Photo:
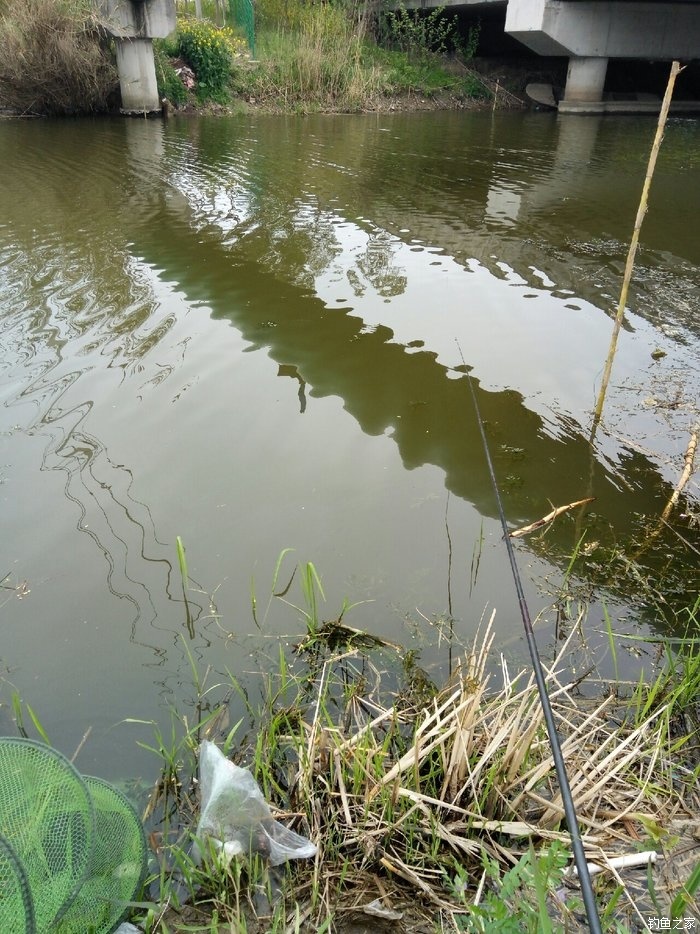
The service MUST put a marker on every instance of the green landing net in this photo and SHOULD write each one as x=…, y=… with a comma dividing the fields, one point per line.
x=72, y=848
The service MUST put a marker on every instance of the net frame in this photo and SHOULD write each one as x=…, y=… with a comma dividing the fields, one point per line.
x=73, y=852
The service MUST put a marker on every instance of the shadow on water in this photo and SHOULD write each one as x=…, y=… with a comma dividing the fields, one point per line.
x=263, y=234
x=405, y=391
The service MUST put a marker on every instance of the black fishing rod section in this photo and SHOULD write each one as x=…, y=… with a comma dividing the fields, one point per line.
x=559, y=766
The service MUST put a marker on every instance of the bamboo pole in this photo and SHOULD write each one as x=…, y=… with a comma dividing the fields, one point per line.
x=676, y=68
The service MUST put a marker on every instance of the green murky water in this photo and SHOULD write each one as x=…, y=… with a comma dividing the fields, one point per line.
x=249, y=332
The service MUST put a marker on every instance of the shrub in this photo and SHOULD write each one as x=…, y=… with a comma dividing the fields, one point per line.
x=169, y=82
x=209, y=51
x=418, y=33
x=54, y=58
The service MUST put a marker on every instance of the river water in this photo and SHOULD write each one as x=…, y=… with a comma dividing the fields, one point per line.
x=252, y=332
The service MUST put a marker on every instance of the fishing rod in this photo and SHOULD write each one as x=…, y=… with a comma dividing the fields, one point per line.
x=559, y=766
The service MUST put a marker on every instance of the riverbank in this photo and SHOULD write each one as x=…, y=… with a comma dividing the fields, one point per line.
x=316, y=59
x=403, y=102
x=437, y=807
x=330, y=64
x=489, y=84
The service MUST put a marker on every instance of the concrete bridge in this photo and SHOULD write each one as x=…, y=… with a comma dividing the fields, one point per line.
x=590, y=33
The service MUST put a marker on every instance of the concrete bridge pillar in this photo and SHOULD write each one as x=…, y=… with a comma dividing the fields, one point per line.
x=585, y=79
x=137, y=75
x=134, y=25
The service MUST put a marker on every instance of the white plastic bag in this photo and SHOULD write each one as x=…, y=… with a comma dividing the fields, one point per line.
x=236, y=817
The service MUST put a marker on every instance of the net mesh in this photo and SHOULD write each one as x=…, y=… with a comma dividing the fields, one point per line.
x=116, y=866
x=72, y=849
x=47, y=817
x=16, y=907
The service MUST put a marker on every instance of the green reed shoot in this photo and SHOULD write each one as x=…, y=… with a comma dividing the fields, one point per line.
x=476, y=559
x=184, y=574
x=182, y=561
x=687, y=893
x=540, y=881
x=19, y=719
x=274, y=592
x=311, y=589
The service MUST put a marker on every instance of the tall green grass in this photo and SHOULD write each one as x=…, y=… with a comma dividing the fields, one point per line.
x=317, y=59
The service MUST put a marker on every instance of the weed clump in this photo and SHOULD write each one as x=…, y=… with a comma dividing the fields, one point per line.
x=54, y=58
x=441, y=804
x=317, y=59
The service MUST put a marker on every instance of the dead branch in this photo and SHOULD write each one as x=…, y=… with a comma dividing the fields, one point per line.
x=688, y=462
x=550, y=517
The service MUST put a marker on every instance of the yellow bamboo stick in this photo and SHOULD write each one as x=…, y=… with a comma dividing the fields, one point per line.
x=676, y=68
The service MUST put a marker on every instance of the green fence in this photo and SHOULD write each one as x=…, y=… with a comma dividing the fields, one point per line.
x=243, y=16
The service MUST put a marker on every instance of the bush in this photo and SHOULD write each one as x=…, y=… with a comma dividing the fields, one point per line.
x=419, y=33
x=169, y=82
x=209, y=51
x=54, y=58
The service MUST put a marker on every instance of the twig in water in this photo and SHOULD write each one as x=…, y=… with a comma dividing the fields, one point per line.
x=550, y=517
x=81, y=744
x=688, y=462
x=682, y=537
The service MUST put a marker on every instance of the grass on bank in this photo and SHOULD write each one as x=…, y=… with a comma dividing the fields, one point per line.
x=432, y=808
x=57, y=57
x=327, y=57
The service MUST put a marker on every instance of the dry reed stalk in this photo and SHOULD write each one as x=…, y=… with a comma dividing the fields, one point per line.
x=688, y=464
x=459, y=843
x=476, y=774
x=433, y=731
x=399, y=868
x=341, y=787
x=595, y=774
x=686, y=473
